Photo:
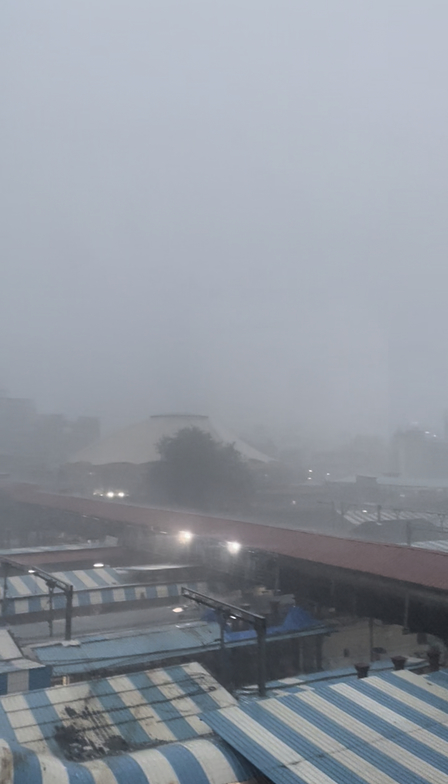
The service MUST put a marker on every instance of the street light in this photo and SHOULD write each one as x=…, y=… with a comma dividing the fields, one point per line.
x=233, y=547
x=51, y=581
x=185, y=537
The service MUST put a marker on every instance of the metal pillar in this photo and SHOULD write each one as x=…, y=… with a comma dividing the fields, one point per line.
x=261, y=645
x=50, y=580
x=5, y=591
x=300, y=655
x=222, y=649
x=50, y=610
x=258, y=622
x=319, y=644
x=68, y=612
x=406, y=614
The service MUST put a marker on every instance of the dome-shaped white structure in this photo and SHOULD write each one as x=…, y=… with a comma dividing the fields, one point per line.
x=137, y=444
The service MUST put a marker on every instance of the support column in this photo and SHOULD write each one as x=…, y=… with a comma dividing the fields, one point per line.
x=50, y=612
x=319, y=645
x=5, y=591
x=223, y=668
x=68, y=613
x=406, y=614
x=261, y=645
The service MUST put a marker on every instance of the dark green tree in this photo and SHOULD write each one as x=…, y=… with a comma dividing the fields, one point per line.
x=196, y=471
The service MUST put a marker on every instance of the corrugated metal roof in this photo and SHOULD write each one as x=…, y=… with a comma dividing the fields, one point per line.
x=100, y=596
x=395, y=562
x=143, y=709
x=389, y=729
x=8, y=648
x=439, y=544
x=55, y=548
x=18, y=664
x=114, y=652
x=371, y=515
x=15, y=669
x=142, y=729
x=81, y=579
x=305, y=680
x=127, y=648
x=207, y=761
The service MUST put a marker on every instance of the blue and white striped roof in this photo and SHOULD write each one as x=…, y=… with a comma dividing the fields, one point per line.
x=16, y=672
x=8, y=647
x=207, y=761
x=10, y=552
x=369, y=514
x=160, y=708
x=143, y=708
x=23, y=605
x=389, y=729
x=81, y=579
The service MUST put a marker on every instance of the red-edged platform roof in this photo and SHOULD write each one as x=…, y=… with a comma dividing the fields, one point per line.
x=396, y=562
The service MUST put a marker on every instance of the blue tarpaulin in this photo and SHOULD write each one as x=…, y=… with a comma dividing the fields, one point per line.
x=297, y=619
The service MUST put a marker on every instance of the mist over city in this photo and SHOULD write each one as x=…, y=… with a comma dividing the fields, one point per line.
x=223, y=392
x=237, y=210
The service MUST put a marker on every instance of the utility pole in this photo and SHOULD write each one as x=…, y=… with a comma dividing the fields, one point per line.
x=68, y=612
x=224, y=611
x=51, y=587
x=5, y=592
x=50, y=581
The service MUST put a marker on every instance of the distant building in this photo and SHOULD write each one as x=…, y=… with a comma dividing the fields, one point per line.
x=18, y=418
x=419, y=454
x=119, y=462
x=31, y=442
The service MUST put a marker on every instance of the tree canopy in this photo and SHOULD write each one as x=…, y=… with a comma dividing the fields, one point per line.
x=196, y=471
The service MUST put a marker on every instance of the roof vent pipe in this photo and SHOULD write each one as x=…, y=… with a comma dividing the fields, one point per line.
x=398, y=662
x=433, y=655
x=362, y=669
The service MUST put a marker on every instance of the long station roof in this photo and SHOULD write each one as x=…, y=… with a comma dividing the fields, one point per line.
x=395, y=562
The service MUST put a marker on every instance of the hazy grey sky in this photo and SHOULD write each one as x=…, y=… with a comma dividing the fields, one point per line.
x=236, y=208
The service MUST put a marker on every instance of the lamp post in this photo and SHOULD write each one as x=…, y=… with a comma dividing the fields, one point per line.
x=50, y=581
x=258, y=623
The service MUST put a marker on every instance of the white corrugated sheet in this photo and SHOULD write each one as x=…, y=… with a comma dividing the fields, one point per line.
x=389, y=729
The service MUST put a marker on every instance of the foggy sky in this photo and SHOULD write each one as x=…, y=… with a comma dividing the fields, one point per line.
x=236, y=208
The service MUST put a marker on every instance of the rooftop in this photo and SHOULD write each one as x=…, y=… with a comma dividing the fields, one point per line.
x=136, y=648
x=395, y=562
x=388, y=729
x=143, y=729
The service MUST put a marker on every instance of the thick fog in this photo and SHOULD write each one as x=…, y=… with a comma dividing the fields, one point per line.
x=235, y=208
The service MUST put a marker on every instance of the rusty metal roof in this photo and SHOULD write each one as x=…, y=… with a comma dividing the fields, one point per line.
x=396, y=562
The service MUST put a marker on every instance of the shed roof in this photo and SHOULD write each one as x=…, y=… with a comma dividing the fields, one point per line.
x=145, y=729
x=201, y=761
x=132, y=649
x=144, y=709
x=8, y=648
x=391, y=729
x=29, y=594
